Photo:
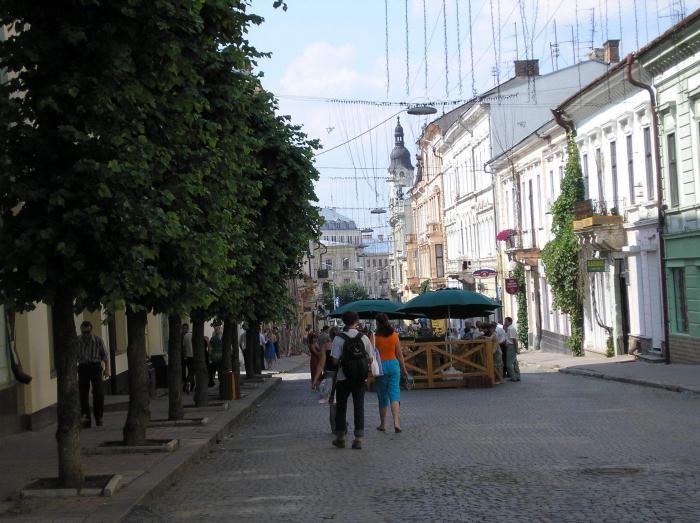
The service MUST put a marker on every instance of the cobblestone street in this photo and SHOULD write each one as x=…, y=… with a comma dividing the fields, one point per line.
x=551, y=448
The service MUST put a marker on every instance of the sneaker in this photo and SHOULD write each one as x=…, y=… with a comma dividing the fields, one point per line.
x=85, y=422
x=339, y=442
x=98, y=422
x=356, y=444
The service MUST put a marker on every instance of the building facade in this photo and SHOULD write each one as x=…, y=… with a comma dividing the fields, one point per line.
x=485, y=128
x=673, y=64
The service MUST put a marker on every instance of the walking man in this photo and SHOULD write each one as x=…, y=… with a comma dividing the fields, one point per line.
x=93, y=365
x=352, y=352
x=512, y=349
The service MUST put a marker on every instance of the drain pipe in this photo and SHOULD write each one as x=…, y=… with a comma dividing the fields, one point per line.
x=660, y=207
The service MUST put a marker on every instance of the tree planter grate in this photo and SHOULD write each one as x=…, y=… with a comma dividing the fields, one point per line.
x=97, y=485
x=118, y=447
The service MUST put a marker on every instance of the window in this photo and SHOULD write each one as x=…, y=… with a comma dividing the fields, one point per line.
x=680, y=303
x=374, y=262
x=551, y=184
x=346, y=264
x=648, y=163
x=439, y=262
x=329, y=263
x=584, y=161
x=599, y=174
x=539, y=202
x=672, y=169
x=613, y=172
x=630, y=168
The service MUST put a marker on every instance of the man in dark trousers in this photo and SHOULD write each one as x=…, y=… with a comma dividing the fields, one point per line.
x=352, y=352
x=93, y=364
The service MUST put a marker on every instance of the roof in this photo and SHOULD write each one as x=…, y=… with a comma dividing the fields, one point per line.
x=333, y=220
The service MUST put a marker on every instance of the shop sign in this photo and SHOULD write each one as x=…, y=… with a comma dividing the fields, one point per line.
x=512, y=286
x=596, y=265
x=484, y=273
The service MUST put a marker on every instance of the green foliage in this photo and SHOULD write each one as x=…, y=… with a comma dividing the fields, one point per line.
x=424, y=287
x=519, y=274
x=561, y=255
x=347, y=292
x=609, y=347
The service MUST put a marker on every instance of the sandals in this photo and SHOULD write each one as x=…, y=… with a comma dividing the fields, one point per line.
x=397, y=430
x=381, y=429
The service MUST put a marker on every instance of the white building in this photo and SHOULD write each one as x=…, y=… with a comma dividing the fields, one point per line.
x=614, y=134
x=340, y=248
x=487, y=127
x=376, y=269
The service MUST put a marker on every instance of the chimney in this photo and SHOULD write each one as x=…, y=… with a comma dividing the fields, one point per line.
x=527, y=68
x=611, y=51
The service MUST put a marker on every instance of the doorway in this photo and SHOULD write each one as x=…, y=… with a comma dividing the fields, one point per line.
x=621, y=280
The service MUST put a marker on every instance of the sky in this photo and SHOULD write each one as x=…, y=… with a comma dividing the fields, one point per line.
x=323, y=51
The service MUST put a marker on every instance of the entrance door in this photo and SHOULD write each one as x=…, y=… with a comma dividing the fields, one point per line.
x=624, y=302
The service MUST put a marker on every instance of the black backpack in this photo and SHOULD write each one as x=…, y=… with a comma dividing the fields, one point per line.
x=354, y=360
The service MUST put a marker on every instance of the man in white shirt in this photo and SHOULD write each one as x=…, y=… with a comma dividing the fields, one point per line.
x=346, y=386
x=512, y=350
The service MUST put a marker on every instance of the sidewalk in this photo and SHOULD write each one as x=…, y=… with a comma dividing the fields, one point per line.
x=627, y=369
x=30, y=455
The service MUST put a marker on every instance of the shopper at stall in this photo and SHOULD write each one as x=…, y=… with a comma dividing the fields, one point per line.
x=393, y=366
x=352, y=352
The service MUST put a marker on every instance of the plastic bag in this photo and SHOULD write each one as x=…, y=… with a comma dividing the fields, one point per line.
x=325, y=388
x=376, y=366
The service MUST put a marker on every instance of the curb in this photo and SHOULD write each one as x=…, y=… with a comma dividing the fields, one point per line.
x=631, y=381
x=152, y=487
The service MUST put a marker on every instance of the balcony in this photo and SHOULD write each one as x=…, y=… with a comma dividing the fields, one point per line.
x=411, y=238
x=434, y=229
x=599, y=224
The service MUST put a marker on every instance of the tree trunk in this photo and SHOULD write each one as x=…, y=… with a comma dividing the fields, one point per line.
x=226, y=365
x=139, y=401
x=252, y=344
x=201, y=391
x=70, y=469
x=175, y=410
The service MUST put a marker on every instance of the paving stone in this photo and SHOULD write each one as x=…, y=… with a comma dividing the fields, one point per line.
x=553, y=447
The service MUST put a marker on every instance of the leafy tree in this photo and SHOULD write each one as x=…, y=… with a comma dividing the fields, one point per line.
x=561, y=254
x=112, y=180
x=347, y=292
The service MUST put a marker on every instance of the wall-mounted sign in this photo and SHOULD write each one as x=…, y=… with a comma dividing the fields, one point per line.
x=596, y=265
x=512, y=286
x=484, y=272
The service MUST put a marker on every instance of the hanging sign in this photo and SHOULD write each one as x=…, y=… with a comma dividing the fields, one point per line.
x=484, y=273
x=512, y=286
x=596, y=265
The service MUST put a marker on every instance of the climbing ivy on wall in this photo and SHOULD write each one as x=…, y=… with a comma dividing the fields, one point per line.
x=561, y=255
x=519, y=274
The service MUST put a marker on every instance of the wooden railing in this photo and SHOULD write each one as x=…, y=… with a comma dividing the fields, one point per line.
x=440, y=364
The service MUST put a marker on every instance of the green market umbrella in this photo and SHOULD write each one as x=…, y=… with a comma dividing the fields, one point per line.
x=368, y=309
x=450, y=303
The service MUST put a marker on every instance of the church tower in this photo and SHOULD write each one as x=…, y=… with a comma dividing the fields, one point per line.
x=400, y=168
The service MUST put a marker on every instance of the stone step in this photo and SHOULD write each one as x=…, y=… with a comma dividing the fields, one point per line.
x=650, y=357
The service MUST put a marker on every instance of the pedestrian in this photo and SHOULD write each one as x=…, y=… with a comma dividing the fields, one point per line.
x=498, y=340
x=276, y=341
x=270, y=353
x=261, y=348
x=386, y=339
x=207, y=362
x=352, y=352
x=324, y=348
x=93, y=366
x=216, y=350
x=243, y=353
x=188, y=378
x=315, y=352
x=512, y=349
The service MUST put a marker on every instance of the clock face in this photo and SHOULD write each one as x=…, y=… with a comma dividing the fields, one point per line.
x=401, y=174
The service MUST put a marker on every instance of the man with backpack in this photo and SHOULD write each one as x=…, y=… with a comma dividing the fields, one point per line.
x=352, y=352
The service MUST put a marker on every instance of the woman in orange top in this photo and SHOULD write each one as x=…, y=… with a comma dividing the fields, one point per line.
x=387, y=385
